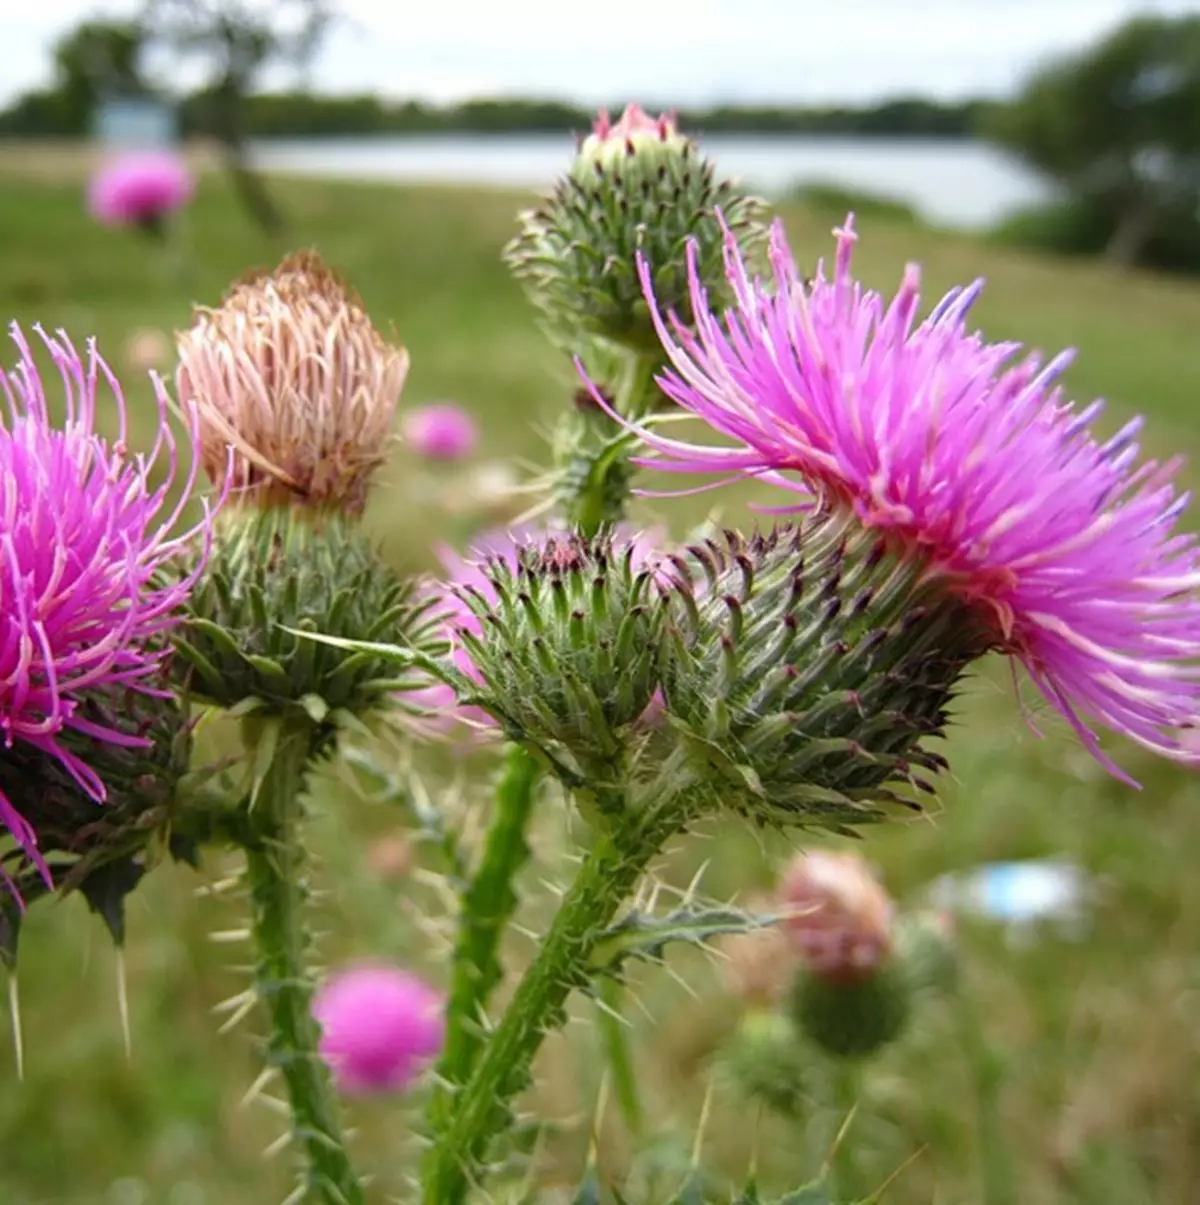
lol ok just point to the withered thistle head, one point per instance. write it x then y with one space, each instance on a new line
290 371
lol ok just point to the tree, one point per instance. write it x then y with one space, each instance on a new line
238 40
1119 127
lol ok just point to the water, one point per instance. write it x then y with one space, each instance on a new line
951 183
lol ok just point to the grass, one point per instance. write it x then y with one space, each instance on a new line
1099 1045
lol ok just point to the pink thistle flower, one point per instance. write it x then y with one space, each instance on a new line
635 122
84 540
964 455
379 1027
140 188
840 920
440 432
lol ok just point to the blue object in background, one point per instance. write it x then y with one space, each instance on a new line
1020 895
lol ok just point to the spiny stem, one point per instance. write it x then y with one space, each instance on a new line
481 1112
487 906
275 871
845 1095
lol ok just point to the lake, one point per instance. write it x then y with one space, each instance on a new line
949 182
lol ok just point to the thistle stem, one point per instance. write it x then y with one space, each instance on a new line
275 866
987 1071
846 1091
603 473
615 1036
487 906
607 876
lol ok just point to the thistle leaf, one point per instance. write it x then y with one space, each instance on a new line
639 936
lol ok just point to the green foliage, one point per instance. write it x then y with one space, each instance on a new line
836 200
1118 124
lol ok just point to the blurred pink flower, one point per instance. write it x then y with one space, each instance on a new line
839 915
140 188
379 1027
442 431
635 122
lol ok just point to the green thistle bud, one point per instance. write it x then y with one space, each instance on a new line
925 944
568 643
805 670
103 849
852 1016
636 186
281 569
767 1062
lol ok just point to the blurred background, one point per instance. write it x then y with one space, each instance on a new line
1052 146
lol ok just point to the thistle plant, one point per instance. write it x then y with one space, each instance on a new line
939 500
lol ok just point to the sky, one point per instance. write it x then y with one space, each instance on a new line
666 51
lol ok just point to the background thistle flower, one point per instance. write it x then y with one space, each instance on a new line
87 588
969 463
636 186
292 373
805 671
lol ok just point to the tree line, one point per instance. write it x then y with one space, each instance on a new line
65 111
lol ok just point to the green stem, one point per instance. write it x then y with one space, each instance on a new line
843 1167
275 865
615 1036
487 906
602 471
606 878
987 1070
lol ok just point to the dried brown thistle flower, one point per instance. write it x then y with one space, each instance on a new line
292 373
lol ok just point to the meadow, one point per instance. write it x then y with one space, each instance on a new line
1094 1041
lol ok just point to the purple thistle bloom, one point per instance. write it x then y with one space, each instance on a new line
966 455
440 432
140 188
379 1027
83 538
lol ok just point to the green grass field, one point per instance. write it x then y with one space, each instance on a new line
1099 1039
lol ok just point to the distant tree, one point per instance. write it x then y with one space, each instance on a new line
238 40
1119 127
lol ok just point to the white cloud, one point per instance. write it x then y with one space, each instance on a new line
664 50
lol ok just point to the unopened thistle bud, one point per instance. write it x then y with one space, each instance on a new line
564 642
768 1062
275 572
636 185
851 994
290 371
807 669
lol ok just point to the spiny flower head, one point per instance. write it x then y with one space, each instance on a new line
88 543
560 634
970 462
292 373
380 1026
636 186
839 917
140 188
807 670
